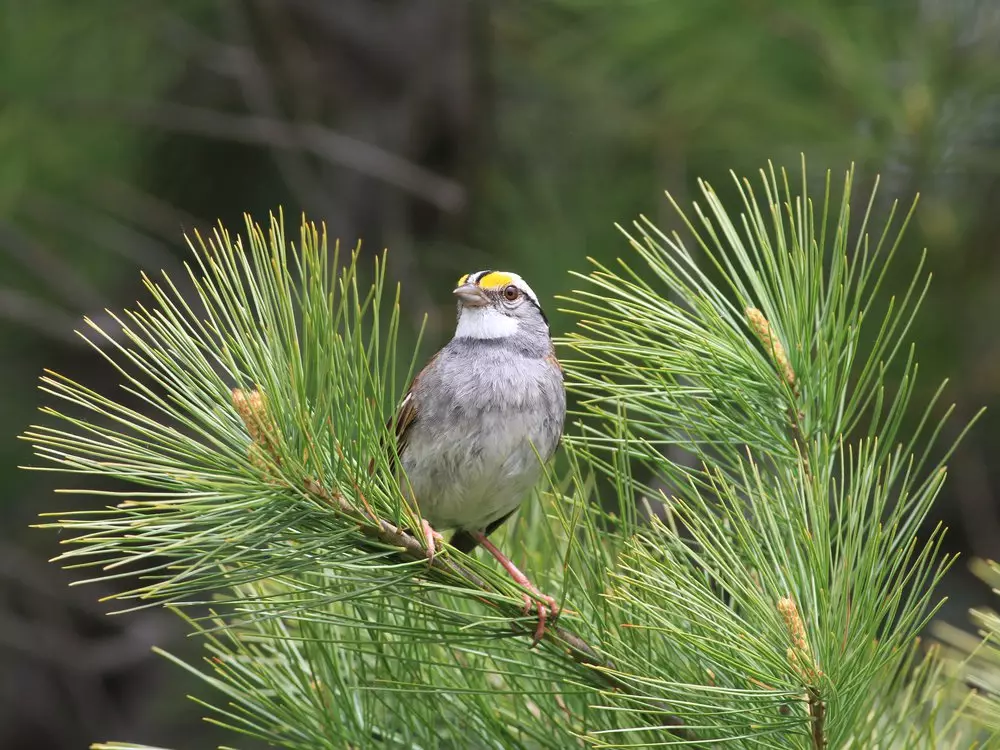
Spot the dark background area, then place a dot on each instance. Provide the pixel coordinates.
(461, 135)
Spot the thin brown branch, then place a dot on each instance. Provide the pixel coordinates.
(41, 317)
(599, 669)
(795, 417)
(410, 548)
(336, 148)
(258, 91)
(104, 231)
(49, 268)
(817, 713)
(148, 211)
(773, 346)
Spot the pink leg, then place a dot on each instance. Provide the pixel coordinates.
(431, 539)
(522, 579)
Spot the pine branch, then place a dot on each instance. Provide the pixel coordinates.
(789, 505)
(269, 500)
(785, 572)
(252, 409)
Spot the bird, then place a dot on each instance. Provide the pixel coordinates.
(481, 419)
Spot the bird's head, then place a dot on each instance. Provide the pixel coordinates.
(497, 304)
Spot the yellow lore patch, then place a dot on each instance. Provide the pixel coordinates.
(495, 280)
(462, 280)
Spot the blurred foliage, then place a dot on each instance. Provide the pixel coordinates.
(62, 63)
(556, 118)
(62, 158)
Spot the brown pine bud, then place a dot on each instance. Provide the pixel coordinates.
(800, 656)
(771, 344)
(252, 408)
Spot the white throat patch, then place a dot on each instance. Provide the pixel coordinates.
(484, 323)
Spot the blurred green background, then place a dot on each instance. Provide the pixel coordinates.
(461, 135)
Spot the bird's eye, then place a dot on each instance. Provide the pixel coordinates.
(511, 293)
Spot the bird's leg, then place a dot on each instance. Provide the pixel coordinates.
(431, 539)
(543, 609)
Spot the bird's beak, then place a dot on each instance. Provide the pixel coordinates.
(471, 295)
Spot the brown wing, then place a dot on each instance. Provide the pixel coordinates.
(551, 359)
(407, 416)
(404, 418)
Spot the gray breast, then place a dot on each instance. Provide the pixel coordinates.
(488, 415)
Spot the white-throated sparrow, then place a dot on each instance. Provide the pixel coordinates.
(482, 416)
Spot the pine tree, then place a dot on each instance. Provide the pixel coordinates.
(767, 592)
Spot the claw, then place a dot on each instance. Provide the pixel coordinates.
(544, 608)
(542, 617)
(431, 540)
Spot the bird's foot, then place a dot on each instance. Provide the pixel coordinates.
(432, 540)
(544, 604)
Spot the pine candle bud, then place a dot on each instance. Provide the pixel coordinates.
(799, 655)
(252, 408)
(771, 343)
(796, 629)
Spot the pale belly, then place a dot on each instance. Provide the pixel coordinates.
(469, 482)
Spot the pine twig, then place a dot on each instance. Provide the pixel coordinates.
(803, 663)
(799, 655)
(762, 327)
